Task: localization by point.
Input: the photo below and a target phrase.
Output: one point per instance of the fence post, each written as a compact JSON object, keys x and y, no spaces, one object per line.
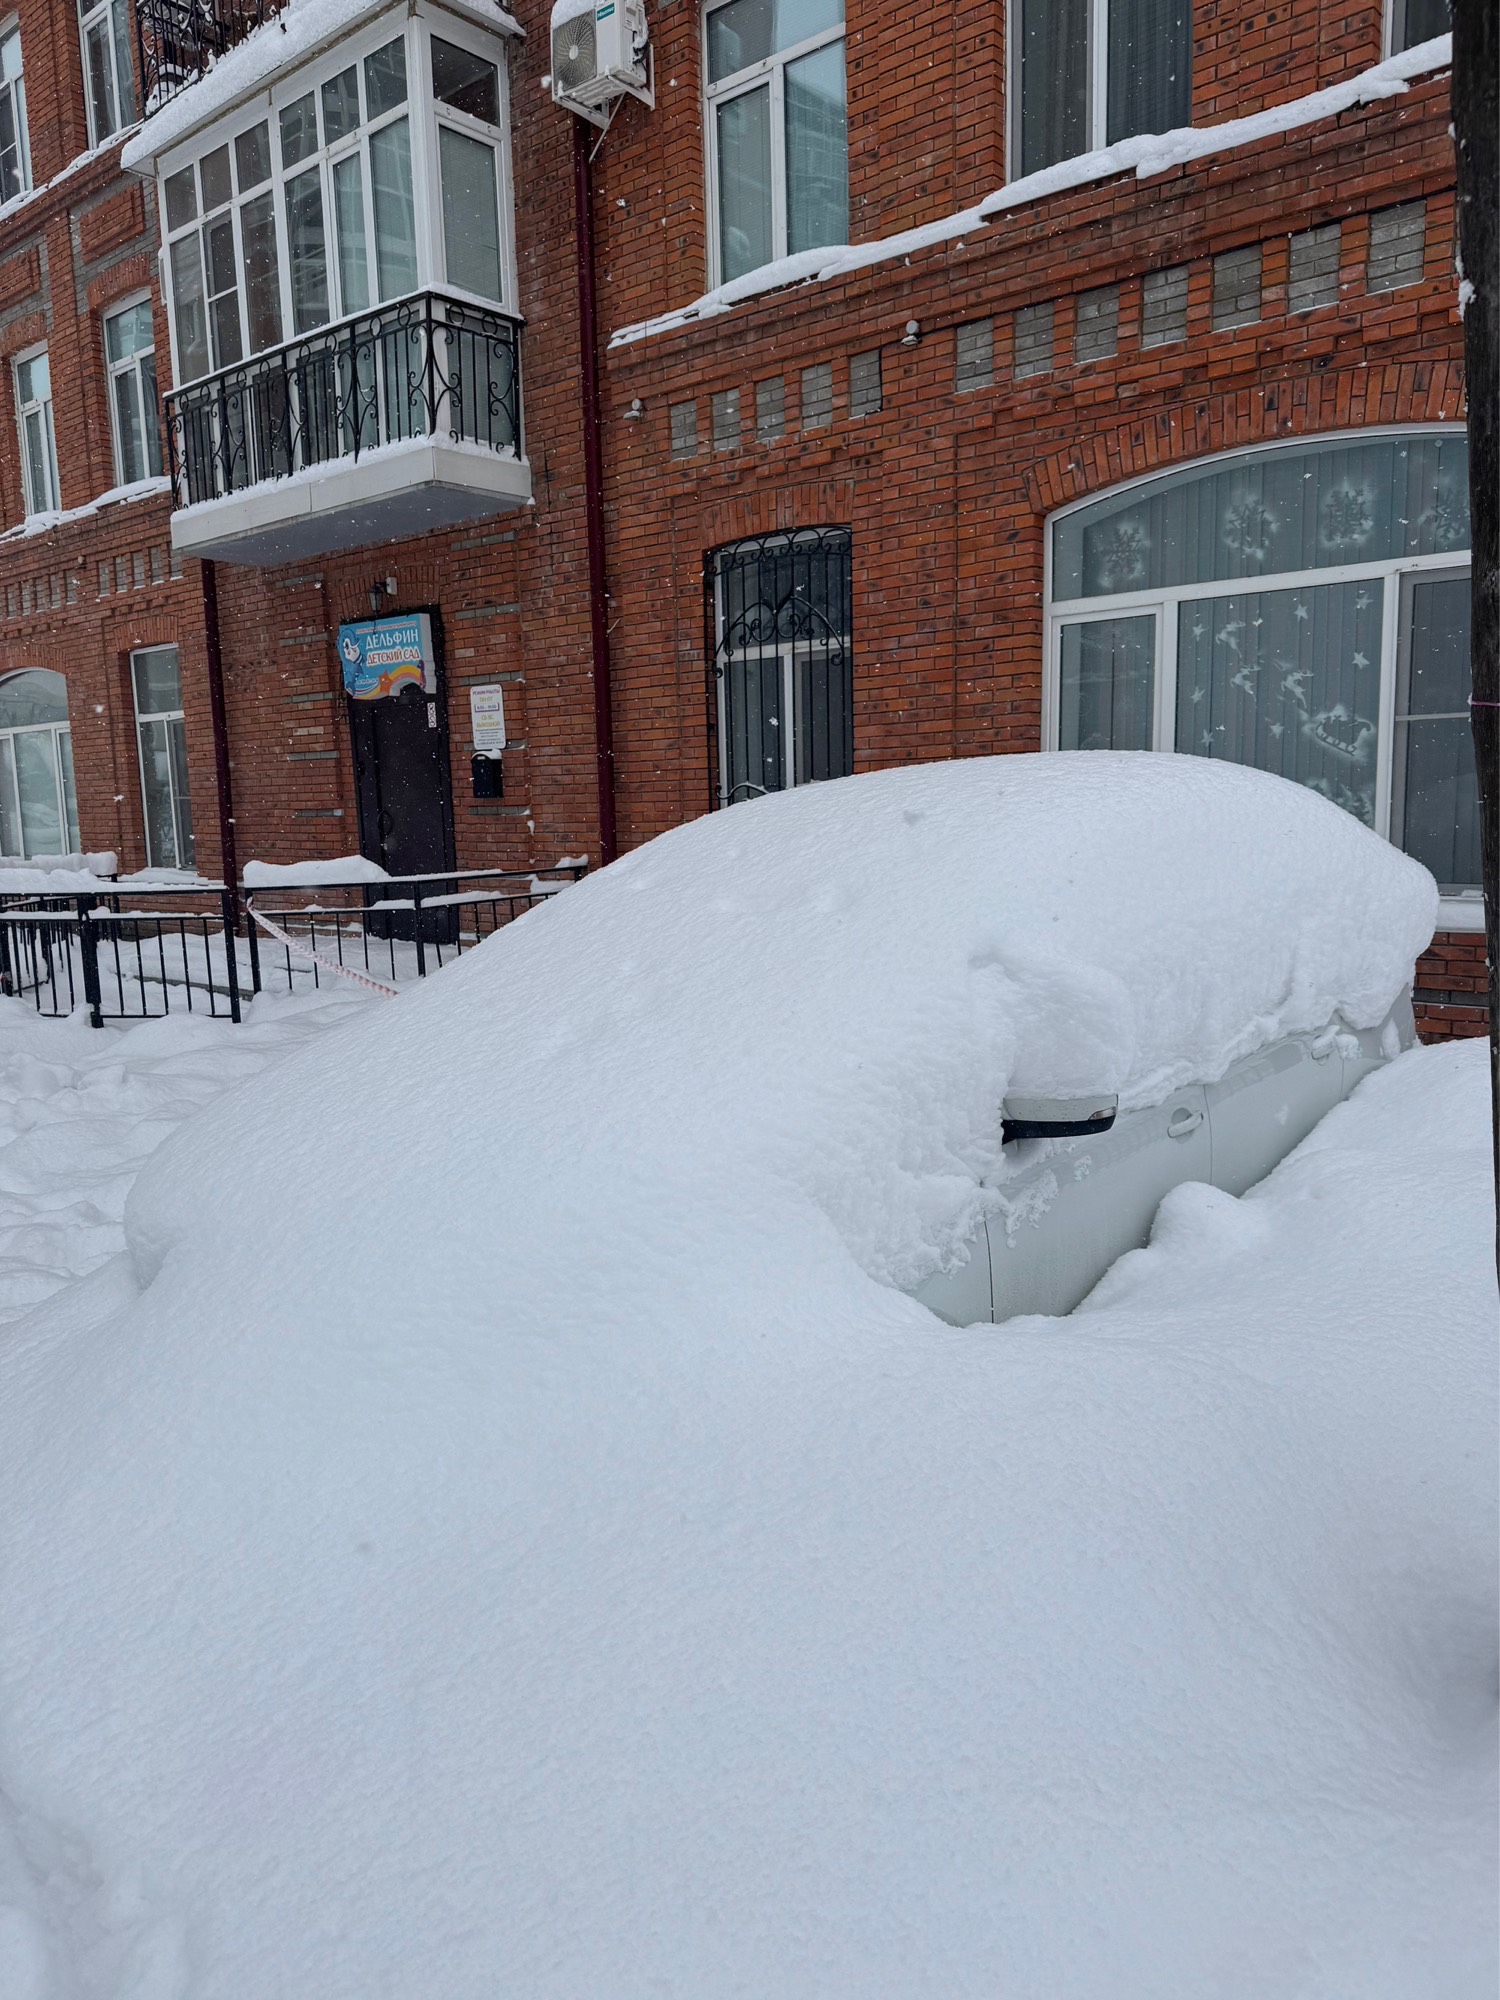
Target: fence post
{"x":416,"y":929}
{"x":231,"y":952}
{"x":252,"y":932}
{"x":88,"y":944}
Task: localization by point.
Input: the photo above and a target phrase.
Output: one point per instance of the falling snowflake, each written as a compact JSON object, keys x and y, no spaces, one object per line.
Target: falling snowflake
{"x":1249,"y":527}
{"x":1121,"y":554}
{"x":1348,"y":517}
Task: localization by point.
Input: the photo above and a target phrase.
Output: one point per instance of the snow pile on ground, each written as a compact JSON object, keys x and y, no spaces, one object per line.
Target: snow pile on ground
{"x":81,"y":1109}
{"x":496,"y":1534}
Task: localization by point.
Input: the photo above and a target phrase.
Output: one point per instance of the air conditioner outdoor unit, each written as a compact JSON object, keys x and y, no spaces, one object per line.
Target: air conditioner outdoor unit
{"x":600,"y":53}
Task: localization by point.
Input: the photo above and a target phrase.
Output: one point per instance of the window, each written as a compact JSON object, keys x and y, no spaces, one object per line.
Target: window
{"x":1398,"y":247}
{"x":777,"y":131}
{"x":311,"y":215}
{"x":38,"y":443}
{"x":156,"y":684}
{"x":131,"y":367}
{"x":1033,"y":346}
{"x":865,"y":388}
{"x":726,"y":420}
{"x":1313,"y":269}
{"x":684,"y":420}
{"x":1412,"y":22}
{"x":1094,"y":71}
{"x":108,"y":73}
{"x":1164,"y":305}
{"x":15,"y":151}
{"x":1237,"y":288}
{"x":1096,"y":330}
{"x":1301,"y":608}
{"x":782,"y":661}
{"x":973,"y":355}
{"x":38,"y":802}
{"x":770,"y":409}
{"x":817,"y":396}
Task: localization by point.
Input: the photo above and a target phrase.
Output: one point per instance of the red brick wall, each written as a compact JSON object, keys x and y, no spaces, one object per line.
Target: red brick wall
{"x":1451,"y":988}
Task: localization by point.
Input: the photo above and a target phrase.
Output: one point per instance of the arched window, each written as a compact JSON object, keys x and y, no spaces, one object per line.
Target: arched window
{"x":38,"y":805}
{"x":1302,"y":608}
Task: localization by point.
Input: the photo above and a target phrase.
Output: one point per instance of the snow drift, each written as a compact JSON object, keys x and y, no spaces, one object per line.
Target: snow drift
{"x":500,"y":1535}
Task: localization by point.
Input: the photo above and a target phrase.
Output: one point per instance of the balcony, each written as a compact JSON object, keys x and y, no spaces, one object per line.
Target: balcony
{"x":391,"y":423}
{"x":178,"y":40}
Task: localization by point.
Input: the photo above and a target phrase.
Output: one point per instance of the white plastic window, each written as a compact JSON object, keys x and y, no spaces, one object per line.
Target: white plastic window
{"x":33,"y":383}
{"x":1411,"y":22}
{"x":15,"y":149}
{"x":130,"y":364}
{"x":777,"y":125}
{"x":161,"y":740}
{"x":1302,"y":609}
{"x":1089,"y":72}
{"x":373,"y":174}
{"x":108,"y":71}
{"x":38,"y":799}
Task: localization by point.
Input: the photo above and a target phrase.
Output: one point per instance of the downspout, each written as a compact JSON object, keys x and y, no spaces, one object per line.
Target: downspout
{"x":229,"y":865}
{"x":593,"y":493}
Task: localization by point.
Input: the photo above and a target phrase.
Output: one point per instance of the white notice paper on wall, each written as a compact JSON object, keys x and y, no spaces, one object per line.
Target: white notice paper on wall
{"x":487,"y":716}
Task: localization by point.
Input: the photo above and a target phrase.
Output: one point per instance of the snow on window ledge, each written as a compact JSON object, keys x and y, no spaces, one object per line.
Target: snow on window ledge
{"x":1148,"y":154}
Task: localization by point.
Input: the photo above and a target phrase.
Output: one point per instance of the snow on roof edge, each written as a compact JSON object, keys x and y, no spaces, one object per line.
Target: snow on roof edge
{"x":300,"y":31}
{"x":1145,"y":155}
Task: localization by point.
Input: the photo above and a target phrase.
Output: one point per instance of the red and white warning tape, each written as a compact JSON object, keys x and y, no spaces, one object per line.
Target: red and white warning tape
{"x":328,"y":964}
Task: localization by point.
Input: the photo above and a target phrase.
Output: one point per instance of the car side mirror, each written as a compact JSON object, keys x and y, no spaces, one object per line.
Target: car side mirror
{"x":1057,"y":1117}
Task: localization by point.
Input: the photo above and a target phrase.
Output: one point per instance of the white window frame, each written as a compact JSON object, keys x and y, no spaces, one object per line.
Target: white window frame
{"x":167,"y":716}
{"x":414,"y":25}
{"x":125,"y":106}
{"x":1163,"y":602}
{"x":1388,"y":31}
{"x":770,"y":68}
{"x":67,"y":800}
{"x":1097,"y":87}
{"x":40,"y":406}
{"x":131,"y":365}
{"x":16,"y":86}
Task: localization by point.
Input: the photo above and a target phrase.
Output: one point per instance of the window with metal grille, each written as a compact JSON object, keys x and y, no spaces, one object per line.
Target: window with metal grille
{"x":1313,"y":269}
{"x":726,"y":409}
{"x":770,"y":409}
{"x":1164,"y":304}
{"x":974,"y":355}
{"x":781,"y":608}
{"x":684,"y":418}
{"x":1033,"y":340}
{"x":1097,"y":326}
{"x":1398,"y":247}
{"x":864,"y":384}
{"x":817,"y":396}
{"x":1237,"y":287}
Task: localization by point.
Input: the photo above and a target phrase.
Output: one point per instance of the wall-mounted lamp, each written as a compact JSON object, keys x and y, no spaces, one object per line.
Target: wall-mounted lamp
{"x":382,"y":588}
{"x":912,"y":334}
{"x":636,"y":411}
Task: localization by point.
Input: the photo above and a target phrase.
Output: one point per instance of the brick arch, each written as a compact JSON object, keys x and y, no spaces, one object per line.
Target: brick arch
{"x":1338,"y":400}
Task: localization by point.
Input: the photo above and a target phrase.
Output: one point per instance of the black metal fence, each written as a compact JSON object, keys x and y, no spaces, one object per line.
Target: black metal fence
{"x":178,"y":40}
{"x":136,"y":954}
{"x":427,"y":366}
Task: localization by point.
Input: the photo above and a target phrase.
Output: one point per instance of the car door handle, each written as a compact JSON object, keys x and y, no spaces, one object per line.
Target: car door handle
{"x":1184,"y":1121}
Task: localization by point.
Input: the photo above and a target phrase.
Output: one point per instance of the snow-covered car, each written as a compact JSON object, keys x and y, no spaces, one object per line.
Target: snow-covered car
{"x":1084,"y":1182}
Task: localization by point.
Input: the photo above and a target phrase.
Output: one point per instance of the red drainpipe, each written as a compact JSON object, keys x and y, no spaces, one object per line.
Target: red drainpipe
{"x":593,"y":493}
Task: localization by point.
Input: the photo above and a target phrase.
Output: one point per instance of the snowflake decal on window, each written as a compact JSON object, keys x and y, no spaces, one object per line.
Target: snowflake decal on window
{"x":1347,"y":517}
{"x":1249,"y":528}
{"x":1446,"y":516}
{"x":1121,"y":556}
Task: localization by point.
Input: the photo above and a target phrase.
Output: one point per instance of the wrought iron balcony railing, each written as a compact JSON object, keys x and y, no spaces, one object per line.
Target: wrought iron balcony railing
{"x":178,"y":40}
{"x":425,"y":367}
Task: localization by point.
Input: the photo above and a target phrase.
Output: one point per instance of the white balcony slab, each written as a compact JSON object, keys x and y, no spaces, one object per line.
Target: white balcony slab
{"x":385,"y":495}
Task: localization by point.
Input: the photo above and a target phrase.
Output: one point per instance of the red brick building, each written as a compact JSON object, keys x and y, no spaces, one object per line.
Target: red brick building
{"x":1088,"y":439}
